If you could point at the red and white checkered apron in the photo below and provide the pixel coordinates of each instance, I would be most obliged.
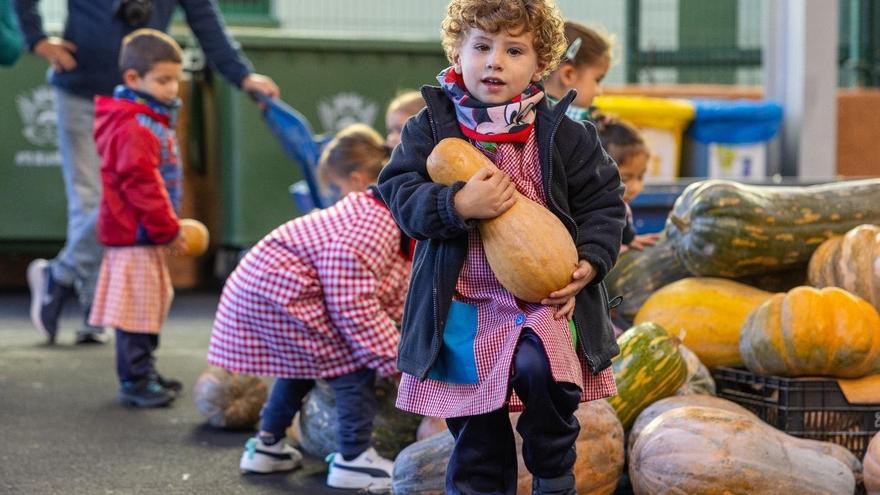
(134, 290)
(500, 320)
(316, 298)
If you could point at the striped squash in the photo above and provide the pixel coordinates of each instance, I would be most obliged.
(638, 274)
(851, 262)
(649, 367)
(723, 228)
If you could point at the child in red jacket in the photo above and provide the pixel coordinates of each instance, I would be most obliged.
(137, 220)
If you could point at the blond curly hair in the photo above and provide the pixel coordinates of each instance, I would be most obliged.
(539, 17)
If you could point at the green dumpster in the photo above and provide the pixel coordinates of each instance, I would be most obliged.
(33, 208)
(332, 83)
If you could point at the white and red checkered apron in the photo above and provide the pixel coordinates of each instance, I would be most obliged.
(500, 320)
(134, 290)
(316, 298)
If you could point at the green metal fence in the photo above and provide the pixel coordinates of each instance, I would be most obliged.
(720, 41)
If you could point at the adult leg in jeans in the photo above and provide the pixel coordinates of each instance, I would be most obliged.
(77, 265)
(78, 262)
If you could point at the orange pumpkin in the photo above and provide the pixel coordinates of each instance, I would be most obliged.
(196, 236)
(872, 466)
(851, 262)
(529, 270)
(599, 447)
(812, 332)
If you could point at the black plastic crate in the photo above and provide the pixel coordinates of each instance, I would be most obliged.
(813, 408)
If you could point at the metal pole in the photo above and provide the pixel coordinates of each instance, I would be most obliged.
(633, 40)
(800, 71)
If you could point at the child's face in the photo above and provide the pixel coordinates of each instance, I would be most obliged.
(632, 174)
(588, 81)
(394, 122)
(497, 67)
(161, 82)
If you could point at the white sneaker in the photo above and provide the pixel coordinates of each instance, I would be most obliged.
(261, 458)
(367, 471)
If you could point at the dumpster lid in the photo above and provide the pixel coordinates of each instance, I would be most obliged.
(735, 121)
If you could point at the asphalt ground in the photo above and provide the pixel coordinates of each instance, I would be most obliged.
(63, 432)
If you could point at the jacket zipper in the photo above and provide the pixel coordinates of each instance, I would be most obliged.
(552, 201)
(435, 346)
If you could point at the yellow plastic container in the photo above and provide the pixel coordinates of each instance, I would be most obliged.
(661, 121)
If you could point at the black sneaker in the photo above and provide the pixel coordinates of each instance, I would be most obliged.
(144, 393)
(90, 334)
(563, 485)
(169, 384)
(47, 298)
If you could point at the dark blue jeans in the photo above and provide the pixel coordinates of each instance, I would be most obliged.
(356, 407)
(483, 460)
(134, 355)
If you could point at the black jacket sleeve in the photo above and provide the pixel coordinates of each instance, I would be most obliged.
(596, 202)
(422, 209)
(30, 22)
(220, 50)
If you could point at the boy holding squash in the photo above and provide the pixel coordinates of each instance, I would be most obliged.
(466, 341)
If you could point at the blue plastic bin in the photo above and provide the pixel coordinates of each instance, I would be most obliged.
(728, 138)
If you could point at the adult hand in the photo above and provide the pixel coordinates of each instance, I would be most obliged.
(59, 52)
(642, 241)
(564, 297)
(260, 84)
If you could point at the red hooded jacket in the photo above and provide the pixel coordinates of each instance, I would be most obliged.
(140, 172)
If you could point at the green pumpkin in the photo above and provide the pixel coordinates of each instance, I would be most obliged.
(648, 368)
(725, 229)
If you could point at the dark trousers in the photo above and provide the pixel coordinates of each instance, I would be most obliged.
(483, 460)
(356, 407)
(134, 355)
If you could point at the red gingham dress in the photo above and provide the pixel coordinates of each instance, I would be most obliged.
(500, 320)
(318, 297)
(134, 290)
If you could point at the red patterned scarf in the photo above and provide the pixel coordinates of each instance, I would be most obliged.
(508, 122)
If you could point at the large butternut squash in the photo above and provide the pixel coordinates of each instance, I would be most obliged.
(713, 452)
(851, 262)
(812, 332)
(706, 314)
(723, 228)
(529, 249)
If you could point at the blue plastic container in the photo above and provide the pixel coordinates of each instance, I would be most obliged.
(728, 138)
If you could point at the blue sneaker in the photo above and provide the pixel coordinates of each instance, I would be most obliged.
(144, 393)
(47, 298)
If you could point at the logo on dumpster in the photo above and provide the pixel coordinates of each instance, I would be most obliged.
(343, 109)
(38, 116)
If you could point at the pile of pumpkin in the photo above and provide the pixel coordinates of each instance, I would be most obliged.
(782, 280)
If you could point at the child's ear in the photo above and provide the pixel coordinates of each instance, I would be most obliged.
(130, 77)
(456, 64)
(567, 75)
(537, 75)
